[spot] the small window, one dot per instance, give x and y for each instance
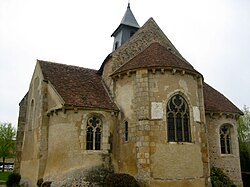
(178, 123)
(94, 134)
(116, 45)
(132, 33)
(126, 130)
(225, 139)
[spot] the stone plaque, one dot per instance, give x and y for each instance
(196, 112)
(156, 110)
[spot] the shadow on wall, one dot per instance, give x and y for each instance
(246, 179)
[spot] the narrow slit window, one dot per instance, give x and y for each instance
(126, 131)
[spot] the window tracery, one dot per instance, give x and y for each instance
(178, 122)
(94, 133)
(225, 139)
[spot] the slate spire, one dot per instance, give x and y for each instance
(126, 29)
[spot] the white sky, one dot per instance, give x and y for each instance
(213, 35)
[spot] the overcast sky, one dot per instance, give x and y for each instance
(213, 35)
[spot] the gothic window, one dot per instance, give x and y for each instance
(94, 133)
(126, 130)
(178, 122)
(225, 139)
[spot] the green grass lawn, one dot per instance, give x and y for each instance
(4, 176)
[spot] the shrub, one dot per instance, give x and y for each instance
(220, 179)
(13, 180)
(39, 182)
(120, 180)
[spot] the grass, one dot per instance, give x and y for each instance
(4, 176)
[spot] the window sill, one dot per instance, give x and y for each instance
(227, 155)
(181, 143)
(94, 151)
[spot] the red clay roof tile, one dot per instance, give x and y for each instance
(77, 86)
(214, 101)
(155, 56)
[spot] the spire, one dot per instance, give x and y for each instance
(129, 18)
(126, 29)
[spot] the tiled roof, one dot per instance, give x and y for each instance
(155, 56)
(216, 102)
(77, 86)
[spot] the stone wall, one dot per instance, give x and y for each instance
(142, 97)
(229, 163)
(20, 132)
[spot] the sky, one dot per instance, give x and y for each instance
(212, 35)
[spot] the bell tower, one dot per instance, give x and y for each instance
(126, 29)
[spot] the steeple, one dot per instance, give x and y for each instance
(126, 29)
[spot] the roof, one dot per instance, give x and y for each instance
(128, 20)
(155, 55)
(214, 101)
(77, 86)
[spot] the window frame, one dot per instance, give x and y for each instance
(178, 120)
(94, 141)
(227, 139)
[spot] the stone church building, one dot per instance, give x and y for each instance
(146, 112)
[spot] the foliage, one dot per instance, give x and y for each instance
(244, 139)
(13, 180)
(244, 125)
(220, 179)
(120, 180)
(4, 175)
(97, 175)
(7, 141)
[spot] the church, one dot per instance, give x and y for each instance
(145, 112)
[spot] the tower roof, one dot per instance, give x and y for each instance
(129, 18)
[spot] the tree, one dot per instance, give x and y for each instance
(244, 139)
(7, 141)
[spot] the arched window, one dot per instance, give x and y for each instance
(225, 139)
(94, 133)
(178, 122)
(126, 130)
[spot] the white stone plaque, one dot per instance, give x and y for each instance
(196, 112)
(156, 110)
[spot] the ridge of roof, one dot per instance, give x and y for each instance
(155, 55)
(78, 86)
(215, 101)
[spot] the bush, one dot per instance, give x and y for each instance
(220, 179)
(13, 180)
(120, 180)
